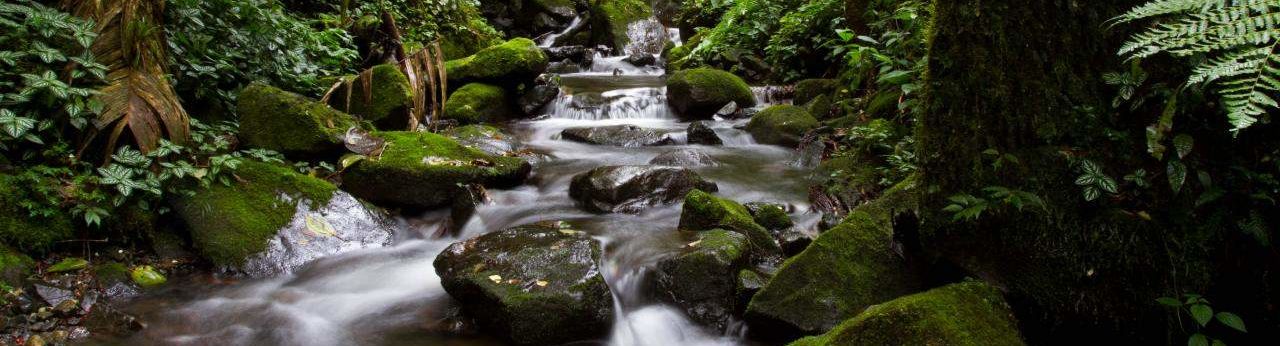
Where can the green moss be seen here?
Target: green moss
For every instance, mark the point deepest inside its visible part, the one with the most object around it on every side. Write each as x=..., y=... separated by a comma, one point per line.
x=15, y=267
x=420, y=169
x=278, y=120
x=703, y=279
x=845, y=270
x=110, y=273
x=702, y=212
x=781, y=125
x=517, y=61
x=810, y=89
x=771, y=216
x=611, y=18
x=476, y=131
x=477, y=103
x=460, y=41
x=387, y=103
x=26, y=232
x=230, y=223
x=969, y=313
x=699, y=93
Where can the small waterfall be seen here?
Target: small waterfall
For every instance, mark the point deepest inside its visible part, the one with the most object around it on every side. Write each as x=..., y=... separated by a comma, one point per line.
x=770, y=95
x=631, y=103
x=550, y=40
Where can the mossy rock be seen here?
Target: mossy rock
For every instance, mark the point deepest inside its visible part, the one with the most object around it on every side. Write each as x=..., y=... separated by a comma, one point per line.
x=845, y=270
x=15, y=267
x=772, y=216
x=697, y=94
x=703, y=212
x=478, y=103
x=228, y=224
x=781, y=125
x=423, y=170
x=821, y=107
x=388, y=103
x=111, y=273
x=610, y=19
x=515, y=62
x=289, y=123
x=809, y=89
x=703, y=278
x=486, y=138
x=968, y=313
x=533, y=285
x=23, y=231
x=475, y=33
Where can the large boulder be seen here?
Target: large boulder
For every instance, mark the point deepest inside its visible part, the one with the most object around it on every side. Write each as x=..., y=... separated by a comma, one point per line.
x=478, y=103
x=611, y=19
x=422, y=170
x=515, y=62
x=272, y=220
x=619, y=135
x=631, y=189
x=533, y=285
x=845, y=270
x=968, y=313
x=783, y=125
x=289, y=123
x=704, y=278
x=387, y=101
x=702, y=212
x=24, y=231
x=697, y=94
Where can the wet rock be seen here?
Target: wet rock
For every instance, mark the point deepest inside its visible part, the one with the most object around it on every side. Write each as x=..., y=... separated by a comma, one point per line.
x=147, y=276
x=564, y=67
x=575, y=54
x=289, y=123
x=631, y=189
x=421, y=170
x=485, y=138
x=698, y=93
x=792, y=240
x=611, y=20
x=702, y=211
x=749, y=282
x=54, y=295
x=641, y=59
x=683, y=158
x=700, y=132
x=15, y=267
x=464, y=206
x=273, y=220
x=620, y=135
x=387, y=102
x=537, y=97
x=730, y=111
x=69, y=307
x=478, y=103
x=536, y=284
x=703, y=278
x=783, y=125
x=517, y=61
x=770, y=215
x=968, y=313
x=107, y=320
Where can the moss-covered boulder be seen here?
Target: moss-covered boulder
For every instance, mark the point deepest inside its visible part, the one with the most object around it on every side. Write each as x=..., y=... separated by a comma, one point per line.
x=422, y=170
x=515, y=62
x=770, y=215
x=387, y=103
x=702, y=212
x=781, y=125
x=272, y=220
x=632, y=189
x=809, y=89
x=703, y=278
x=485, y=138
x=611, y=18
x=478, y=103
x=697, y=94
x=14, y=267
x=289, y=123
x=968, y=313
x=533, y=285
x=845, y=270
x=24, y=231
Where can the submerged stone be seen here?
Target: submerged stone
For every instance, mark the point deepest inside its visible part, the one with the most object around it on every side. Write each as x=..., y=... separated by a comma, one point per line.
x=620, y=135
x=781, y=125
x=631, y=189
x=422, y=170
x=699, y=93
x=533, y=285
x=289, y=123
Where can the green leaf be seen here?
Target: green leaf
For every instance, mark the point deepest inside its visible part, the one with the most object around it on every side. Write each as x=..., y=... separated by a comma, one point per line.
x=1198, y=339
x=1231, y=320
x=1202, y=313
x=68, y=264
x=350, y=159
x=147, y=276
x=1170, y=302
x=1183, y=143
x=1177, y=175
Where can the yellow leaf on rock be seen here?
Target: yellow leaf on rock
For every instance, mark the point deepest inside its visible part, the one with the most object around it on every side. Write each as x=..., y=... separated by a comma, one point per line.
x=497, y=279
x=318, y=226
x=541, y=283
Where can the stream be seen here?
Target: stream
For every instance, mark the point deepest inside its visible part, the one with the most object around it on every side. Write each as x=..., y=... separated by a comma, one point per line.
x=392, y=295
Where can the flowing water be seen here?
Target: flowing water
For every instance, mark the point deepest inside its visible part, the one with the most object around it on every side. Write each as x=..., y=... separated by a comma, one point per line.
x=392, y=296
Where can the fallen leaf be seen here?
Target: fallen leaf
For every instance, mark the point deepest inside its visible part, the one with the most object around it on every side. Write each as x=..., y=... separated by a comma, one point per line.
x=541, y=283
x=693, y=244
x=69, y=264
x=320, y=227
x=497, y=279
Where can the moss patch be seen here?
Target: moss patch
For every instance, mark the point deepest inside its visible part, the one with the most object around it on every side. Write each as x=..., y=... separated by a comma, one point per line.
x=704, y=278
x=477, y=103
x=423, y=170
x=279, y=120
x=230, y=223
x=14, y=267
x=475, y=33
x=809, y=89
x=389, y=100
x=699, y=93
x=26, y=232
x=610, y=19
x=702, y=212
x=969, y=313
x=110, y=273
x=781, y=125
x=515, y=62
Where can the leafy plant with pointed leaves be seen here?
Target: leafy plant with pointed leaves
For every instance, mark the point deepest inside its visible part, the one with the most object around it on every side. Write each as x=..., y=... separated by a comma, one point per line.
x=1094, y=181
x=1201, y=312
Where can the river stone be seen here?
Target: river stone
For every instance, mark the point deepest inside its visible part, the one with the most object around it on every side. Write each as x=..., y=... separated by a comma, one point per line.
x=273, y=220
x=534, y=285
x=537, y=97
x=289, y=123
x=967, y=313
x=515, y=62
x=701, y=133
x=629, y=136
x=698, y=93
x=703, y=278
x=485, y=138
x=422, y=170
x=388, y=102
x=683, y=158
x=631, y=189
x=478, y=103
x=783, y=125
x=702, y=212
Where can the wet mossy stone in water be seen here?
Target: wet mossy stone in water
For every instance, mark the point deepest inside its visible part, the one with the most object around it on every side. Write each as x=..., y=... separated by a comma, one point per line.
x=809, y=89
x=697, y=94
x=703, y=278
x=23, y=231
x=629, y=136
x=478, y=103
x=845, y=270
x=702, y=212
x=700, y=132
x=772, y=216
x=967, y=313
x=612, y=18
x=515, y=62
x=533, y=285
x=388, y=103
x=15, y=267
x=781, y=125
x=632, y=189
x=423, y=170
x=289, y=123
x=486, y=138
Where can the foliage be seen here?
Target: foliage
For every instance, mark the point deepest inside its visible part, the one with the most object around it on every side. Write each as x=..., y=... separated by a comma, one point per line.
x=1237, y=38
x=1200, y=311
x=1095, y=181
x=801, y=46
x=884, y=66
x=744, y=30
